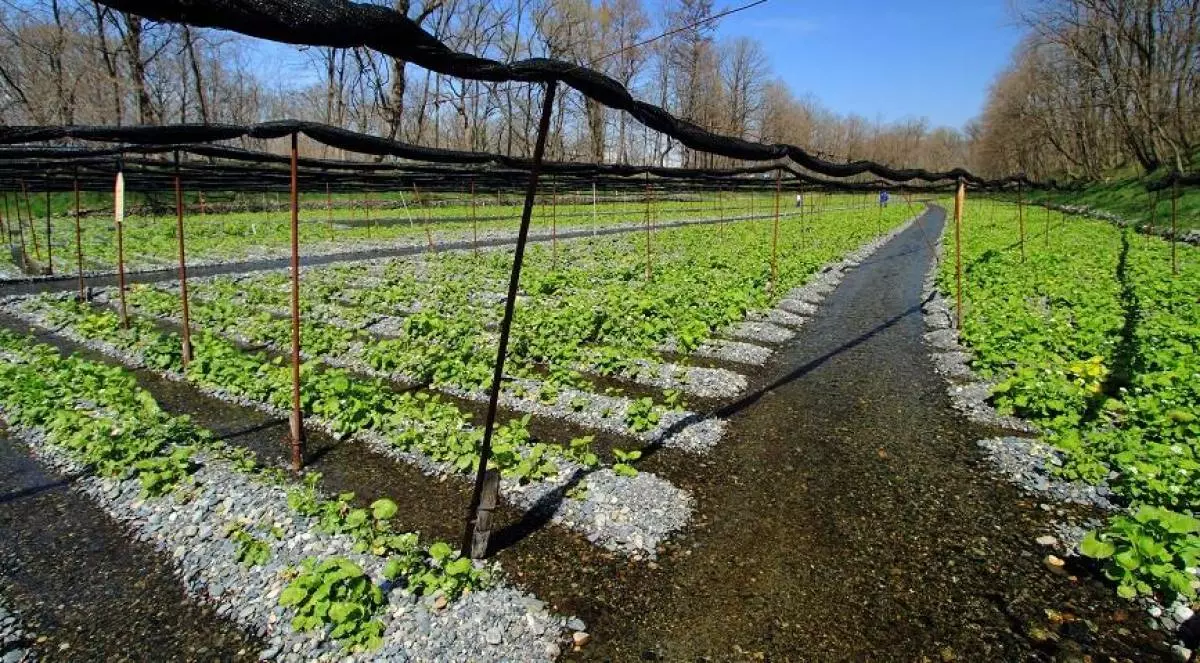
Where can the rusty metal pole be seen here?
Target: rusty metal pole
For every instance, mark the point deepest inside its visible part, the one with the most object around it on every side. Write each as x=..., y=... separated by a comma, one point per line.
x=297, y=421
x=119, y=217
x=1046, y=237
x=20, y=231
x=959, y=199
x=649, y=268
x=1153, y=217
x=775, y=233
x=553, y=224
x=329, y=211
x=1021, y=220
x=186, y=355
x=49, y=245
x=79, y=242
x=1174, y=227
x=485, y=450
x=474, y=221
x=37, y=249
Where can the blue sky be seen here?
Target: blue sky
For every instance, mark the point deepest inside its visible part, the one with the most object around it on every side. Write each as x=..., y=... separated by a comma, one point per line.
x=880, y=59
x=885, y=59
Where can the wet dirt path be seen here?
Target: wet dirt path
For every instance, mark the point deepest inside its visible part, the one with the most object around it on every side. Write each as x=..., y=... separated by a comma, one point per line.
x=847, y=516
x=84, y=590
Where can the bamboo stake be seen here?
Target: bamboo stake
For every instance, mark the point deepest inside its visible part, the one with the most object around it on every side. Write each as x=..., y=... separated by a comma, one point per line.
x=470, y=545
x=183, y=284
x=119, y=217
x=297, y=422
x=959, y=199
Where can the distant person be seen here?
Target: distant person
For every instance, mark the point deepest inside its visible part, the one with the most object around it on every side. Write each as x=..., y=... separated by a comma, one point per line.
x=799, y=200
x=883, y=198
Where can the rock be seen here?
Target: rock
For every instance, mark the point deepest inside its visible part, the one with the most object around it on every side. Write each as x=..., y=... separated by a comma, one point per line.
x=440, y=602
x=576, y=624
x=1182, y=613
x=1055, y=564
x=269, y=653
x=1182, y=654
x=493, y=636
x=580, y=638
x=1047, y=540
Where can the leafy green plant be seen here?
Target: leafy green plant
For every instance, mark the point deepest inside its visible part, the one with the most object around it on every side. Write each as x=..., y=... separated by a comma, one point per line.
x=1153, y=548
x=251, y=550
x=338, y=595
x=641, y=415
x=623, y=466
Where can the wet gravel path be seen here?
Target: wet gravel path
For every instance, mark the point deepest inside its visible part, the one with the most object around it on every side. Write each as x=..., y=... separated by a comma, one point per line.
x=84, y=590
x=850, y=516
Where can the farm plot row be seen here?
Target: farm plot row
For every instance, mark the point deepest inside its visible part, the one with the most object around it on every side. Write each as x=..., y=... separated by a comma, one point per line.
x=150, y=239
x=608, y=501
x=310, y=573
x=1093, y=340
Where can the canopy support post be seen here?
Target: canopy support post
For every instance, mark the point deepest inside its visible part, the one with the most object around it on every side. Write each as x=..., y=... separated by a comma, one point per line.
x=1021, y=219
x=775, y=233
x=959, y=198
x=183, y=284
x=472, y=545
x=79, y=243
x=119, y=218
x=474, y=221
x=1174, y=227
x=49, y=246
x=649, y=267
x=297, y=421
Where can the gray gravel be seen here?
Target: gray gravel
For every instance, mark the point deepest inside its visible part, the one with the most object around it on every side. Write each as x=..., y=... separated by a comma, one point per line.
x=603, y=516
x=1030, y=464
x=190, y=525
x=15, y=645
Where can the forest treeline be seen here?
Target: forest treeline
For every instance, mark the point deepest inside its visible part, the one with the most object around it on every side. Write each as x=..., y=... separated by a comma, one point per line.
x=1096, y=84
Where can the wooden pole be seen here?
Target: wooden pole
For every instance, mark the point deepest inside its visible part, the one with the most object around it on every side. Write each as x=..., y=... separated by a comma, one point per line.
x=5, y=222
x=472, y=545
x=474, y=221
x=297, y=421
x=775, y=233
x=425, y=220
x=119, y=217
x=49, y=245
x=1046, y=237
x=183, y=284
x=79, y=244
x=959, y=199
x=1021, y=219
x=595, y=219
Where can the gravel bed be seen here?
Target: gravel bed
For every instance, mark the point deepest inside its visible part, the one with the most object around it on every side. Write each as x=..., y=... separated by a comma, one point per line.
x=1030, y=464
x=760, y=332
x=968, y=392
x=660, y=508
x=15, y=645
x=682, y=430
x=780, y=317
x=694, y=380
x=190, y=525
x=734, y=352
x=1163, y=229
x=678, y=430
